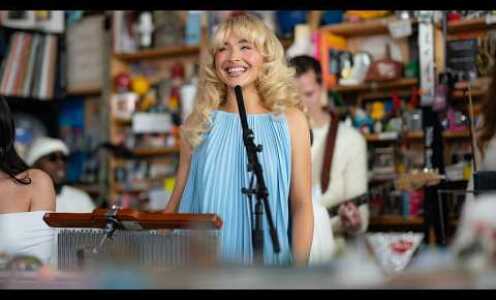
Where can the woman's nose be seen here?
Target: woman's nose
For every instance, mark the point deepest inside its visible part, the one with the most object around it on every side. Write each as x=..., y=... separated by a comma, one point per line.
x=234, y=55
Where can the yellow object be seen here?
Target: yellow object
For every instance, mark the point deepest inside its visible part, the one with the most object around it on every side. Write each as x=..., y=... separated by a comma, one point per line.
x=378, y=110
x=140, y=85
x=467, y=171
x=367, y=14
x=42, y=14
x=169, y=184
x=173, y=103
x=148, y=101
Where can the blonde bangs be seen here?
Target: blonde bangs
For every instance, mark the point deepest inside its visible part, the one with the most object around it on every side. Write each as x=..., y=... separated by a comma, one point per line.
x=244, y=28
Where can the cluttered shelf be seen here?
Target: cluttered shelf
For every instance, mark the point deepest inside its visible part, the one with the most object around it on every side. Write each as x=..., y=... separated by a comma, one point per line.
x=349, y=29
x=374, y=86
x=86, y=90
x=174, y=51
x=459, y=94
x=171, y=52
x=396, y=220
x=471, y=25
x=414, y=135
x=155, y=151
x=380, y=26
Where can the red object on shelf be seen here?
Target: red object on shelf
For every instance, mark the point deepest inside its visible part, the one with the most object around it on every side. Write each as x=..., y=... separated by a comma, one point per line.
x=177, y=71
x=122, y=82
x=454, y=16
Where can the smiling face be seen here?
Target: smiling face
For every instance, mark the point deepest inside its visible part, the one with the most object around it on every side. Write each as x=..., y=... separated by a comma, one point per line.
x=238, y=62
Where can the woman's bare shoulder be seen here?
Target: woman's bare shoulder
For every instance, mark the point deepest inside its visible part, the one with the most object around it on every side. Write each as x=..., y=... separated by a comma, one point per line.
x=297, y=121
x=37, y=176
x=42, y=190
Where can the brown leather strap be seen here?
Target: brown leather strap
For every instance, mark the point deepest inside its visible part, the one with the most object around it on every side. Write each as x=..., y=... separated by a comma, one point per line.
x=329, y=152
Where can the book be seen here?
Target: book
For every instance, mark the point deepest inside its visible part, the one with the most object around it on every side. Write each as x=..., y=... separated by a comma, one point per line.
x=26, y=88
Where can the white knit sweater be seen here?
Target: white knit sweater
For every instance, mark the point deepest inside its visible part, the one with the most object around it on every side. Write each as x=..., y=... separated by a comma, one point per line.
x=349, y=169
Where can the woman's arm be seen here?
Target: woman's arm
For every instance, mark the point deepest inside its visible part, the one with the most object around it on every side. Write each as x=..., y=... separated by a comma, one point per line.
x=42, y=191
x=181, y=177
x=300, y=190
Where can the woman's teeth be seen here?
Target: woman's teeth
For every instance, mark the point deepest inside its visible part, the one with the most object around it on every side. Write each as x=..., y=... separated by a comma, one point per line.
x=236, y=71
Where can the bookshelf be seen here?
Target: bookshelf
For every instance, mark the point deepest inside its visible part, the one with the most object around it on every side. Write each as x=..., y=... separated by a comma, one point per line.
x=476, y=24
x=370, y=87
x=352, y=35
x=84, y=90
x=365, y=28
x=168, y=52
x=160, y=60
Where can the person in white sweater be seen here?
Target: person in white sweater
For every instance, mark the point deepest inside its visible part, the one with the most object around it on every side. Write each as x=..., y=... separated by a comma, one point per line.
x=348, y=174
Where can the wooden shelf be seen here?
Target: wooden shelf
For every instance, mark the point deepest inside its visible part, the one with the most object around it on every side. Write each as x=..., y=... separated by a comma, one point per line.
x=469, y=25
x=155, y=151
x=371, y=27
x=122, y=122
x=121, y=188
x=84, y=90
x=375, y=86
x=456, y=135
x=396, y=220
x=379, y=137
x=461, y=95
x=415, y=135
x=159, y=53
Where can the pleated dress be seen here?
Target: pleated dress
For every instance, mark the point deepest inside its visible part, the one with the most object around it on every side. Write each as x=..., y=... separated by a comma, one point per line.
x=218, y=172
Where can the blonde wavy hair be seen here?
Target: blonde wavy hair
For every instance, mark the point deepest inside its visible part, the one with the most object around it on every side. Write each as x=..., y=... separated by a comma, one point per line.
x=275, y=84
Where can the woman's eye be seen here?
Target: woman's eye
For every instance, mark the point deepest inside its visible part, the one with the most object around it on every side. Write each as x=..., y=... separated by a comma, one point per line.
x=245, y=48
x=221, y=49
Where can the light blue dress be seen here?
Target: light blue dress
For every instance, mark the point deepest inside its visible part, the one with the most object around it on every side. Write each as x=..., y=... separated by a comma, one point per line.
x=218, y=172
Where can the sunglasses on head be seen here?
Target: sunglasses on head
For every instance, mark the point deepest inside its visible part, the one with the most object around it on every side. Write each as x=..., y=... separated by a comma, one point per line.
x=53, y=157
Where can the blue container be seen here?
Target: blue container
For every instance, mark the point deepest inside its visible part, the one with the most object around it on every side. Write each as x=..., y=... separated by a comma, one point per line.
x=332, y=17
x=288, y=19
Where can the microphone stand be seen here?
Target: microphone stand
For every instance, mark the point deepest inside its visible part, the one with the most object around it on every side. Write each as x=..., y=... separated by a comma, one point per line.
x=260, y=191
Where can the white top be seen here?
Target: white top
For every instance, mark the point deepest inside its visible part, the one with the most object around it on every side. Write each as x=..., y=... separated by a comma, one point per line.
x=349, y=168
x=73, y=200
x=26, y=233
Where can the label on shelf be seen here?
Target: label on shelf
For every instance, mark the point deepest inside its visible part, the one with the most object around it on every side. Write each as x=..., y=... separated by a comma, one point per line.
x=400, y=29
x=387, y=135
x=490, y=19
x=152, y=123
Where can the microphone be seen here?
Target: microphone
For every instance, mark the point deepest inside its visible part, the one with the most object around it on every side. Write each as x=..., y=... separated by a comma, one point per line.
x=260, y=191
x=241, y=107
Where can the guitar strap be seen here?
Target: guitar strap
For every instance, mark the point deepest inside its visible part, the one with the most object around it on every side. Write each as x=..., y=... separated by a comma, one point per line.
x=329, y=152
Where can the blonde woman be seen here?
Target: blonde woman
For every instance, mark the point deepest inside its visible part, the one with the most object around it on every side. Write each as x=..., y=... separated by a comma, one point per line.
x=212, y=167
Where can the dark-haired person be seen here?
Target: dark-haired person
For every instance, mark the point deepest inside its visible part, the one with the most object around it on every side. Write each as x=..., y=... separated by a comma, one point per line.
x=25, y=195
x=348, y=172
